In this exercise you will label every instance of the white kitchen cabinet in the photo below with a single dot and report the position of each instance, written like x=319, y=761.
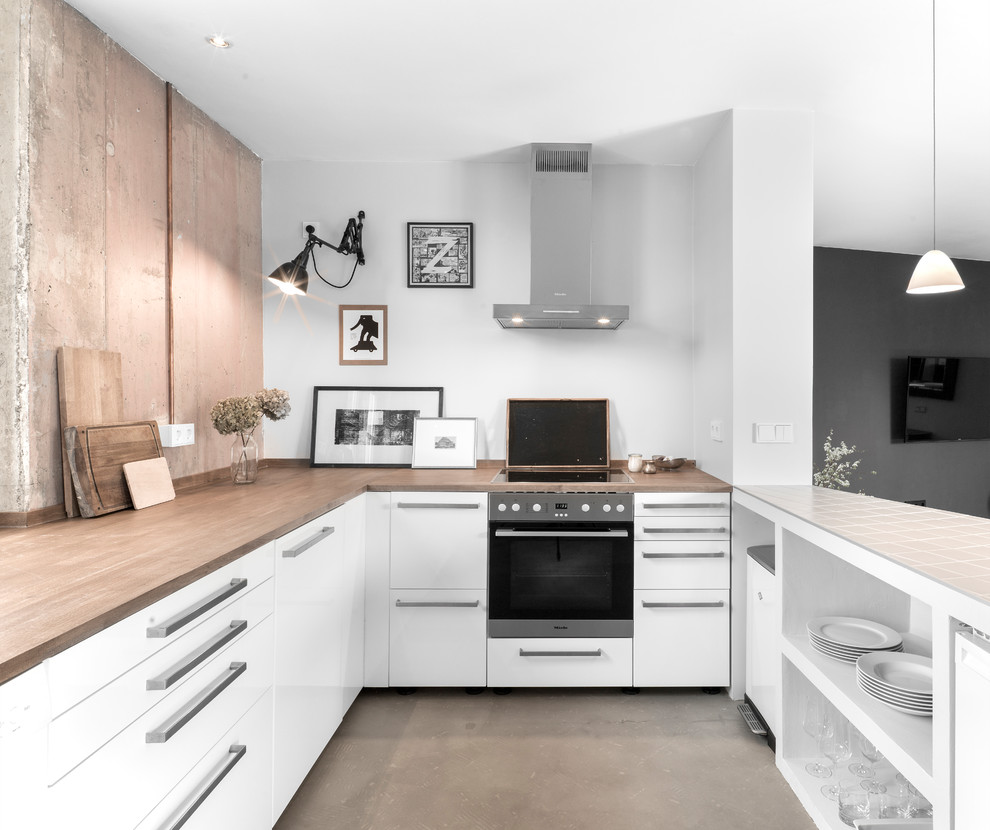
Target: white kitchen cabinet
x=762, y=648
x=681, y=599
x=972, y=729
x=309, y=648
x=230, y=787
x=121, y=782
x=24, y=714
x=438, y=638
x=352, y=601
x=560, y=661
x=439, y=540
x=438, y=557
x=682, y=638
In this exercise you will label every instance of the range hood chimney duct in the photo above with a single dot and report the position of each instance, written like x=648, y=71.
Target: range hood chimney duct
x=560, y=238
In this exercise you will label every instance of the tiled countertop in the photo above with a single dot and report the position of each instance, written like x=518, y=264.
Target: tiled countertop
x=951, y=548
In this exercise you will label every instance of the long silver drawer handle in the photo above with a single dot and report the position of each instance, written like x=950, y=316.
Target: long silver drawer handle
x=195, y=706
x=685, y=506
x=684, y=530
x=596, y=653
x=429, y=505
x=578, y=534
x=234, y=754
x=719, y=604
x=292, y=553
x=403, y=604
x=718, y=554
x=194, y=658
x=172, y=625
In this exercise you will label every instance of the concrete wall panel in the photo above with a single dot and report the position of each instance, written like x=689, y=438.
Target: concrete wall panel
x=136, y=216
x=67, y=297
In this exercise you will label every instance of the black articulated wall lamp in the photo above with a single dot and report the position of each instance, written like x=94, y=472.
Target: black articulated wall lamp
x=292, y=277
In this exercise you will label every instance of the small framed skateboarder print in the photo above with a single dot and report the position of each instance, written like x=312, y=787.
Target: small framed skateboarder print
x=363, y=335
x=441, y=254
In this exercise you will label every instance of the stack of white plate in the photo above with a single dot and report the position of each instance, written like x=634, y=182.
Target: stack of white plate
x=848, y=638
x=902, y=681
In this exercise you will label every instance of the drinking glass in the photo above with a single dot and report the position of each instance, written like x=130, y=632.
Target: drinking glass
x=837, y=747
x=854, y=802
x=873, y=755
x=817, y=723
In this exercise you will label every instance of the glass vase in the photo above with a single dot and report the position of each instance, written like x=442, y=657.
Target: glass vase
x=244, y=459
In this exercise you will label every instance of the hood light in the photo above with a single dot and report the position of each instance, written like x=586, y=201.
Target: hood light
x=517, y=319
x=219, y=41
x=604, y=321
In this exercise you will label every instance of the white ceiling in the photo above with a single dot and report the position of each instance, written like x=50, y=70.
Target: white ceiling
x=645, y=81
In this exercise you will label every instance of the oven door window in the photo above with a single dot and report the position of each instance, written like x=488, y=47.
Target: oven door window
x=560, y=577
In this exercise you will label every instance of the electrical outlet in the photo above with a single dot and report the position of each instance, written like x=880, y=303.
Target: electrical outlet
x=177, y=435
x=716, y=430
x=316, y=229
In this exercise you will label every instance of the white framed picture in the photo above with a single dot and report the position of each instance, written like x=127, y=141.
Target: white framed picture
x=440, y=443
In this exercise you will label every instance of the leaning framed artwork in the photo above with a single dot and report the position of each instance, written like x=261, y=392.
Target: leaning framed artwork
x=441, y=254
x=363, y=335
x=445, y=443
x=369, y=426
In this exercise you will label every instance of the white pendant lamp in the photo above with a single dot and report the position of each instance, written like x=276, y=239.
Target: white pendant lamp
x=934, y=273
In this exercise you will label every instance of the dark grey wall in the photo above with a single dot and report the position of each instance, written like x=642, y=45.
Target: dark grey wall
x=866, y=325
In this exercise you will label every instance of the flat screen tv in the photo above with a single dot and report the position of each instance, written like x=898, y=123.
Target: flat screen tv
x=948, y=399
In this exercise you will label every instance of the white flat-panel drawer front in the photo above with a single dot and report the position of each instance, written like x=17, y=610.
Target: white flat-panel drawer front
x=83, y=729
x=682, y=504
x=681, y=638
x=682, y=527
x=119, y=784
x=230, y=787
x=439, y=540
x=682, y=564
x=80, y=670
x=560, y=661
x=438, y=638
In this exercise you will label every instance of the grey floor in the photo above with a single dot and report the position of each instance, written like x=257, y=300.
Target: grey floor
x=550, y=759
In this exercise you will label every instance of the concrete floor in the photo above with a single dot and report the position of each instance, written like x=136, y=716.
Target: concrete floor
x=544, y=759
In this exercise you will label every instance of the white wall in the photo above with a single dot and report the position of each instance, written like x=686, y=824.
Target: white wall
x=713, y=362
x=772, y=290
x=642, y=257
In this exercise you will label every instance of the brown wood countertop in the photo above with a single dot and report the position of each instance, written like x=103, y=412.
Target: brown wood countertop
x=65, y=581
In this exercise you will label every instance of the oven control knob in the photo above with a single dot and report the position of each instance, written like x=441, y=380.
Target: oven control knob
x=502, y=507
x=515, y=508
x=537, y=508
x=620, y=508
x=585, y=508
x=606, y=508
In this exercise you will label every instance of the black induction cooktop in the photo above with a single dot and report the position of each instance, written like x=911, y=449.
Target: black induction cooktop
x=561, y=477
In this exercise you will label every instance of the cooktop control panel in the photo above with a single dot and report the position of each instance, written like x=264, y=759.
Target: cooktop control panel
x=550, y=507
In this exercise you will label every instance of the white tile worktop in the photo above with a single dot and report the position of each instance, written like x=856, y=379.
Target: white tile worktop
x=950, y=548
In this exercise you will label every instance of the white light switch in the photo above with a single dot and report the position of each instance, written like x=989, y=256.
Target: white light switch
x=773, y=433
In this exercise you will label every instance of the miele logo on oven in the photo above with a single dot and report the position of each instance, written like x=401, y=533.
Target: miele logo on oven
x=560, y=627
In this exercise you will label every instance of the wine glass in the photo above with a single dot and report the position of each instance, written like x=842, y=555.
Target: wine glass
x=859, y=768
x=873, y=755
x=837, y=747
x=817, y=723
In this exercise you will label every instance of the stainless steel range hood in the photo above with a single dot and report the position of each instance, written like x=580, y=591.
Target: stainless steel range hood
x=560, y=231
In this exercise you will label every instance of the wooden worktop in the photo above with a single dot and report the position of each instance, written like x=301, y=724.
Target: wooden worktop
x=65, y=581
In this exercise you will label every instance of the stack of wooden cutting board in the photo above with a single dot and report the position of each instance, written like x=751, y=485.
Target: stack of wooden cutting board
x=108, y=464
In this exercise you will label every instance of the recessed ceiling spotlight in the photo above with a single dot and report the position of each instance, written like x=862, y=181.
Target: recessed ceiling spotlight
x=219, y=41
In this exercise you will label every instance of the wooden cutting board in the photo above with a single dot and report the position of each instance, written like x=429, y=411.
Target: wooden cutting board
x=149, y=482
x=90, y=391
x=97, y=455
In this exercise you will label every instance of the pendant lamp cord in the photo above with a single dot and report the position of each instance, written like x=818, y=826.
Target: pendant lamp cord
x=934, y=154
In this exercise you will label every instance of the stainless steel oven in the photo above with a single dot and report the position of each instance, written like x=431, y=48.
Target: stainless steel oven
x=560, y=565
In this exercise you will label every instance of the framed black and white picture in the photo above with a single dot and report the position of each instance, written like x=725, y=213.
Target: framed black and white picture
x=367, y=426
x=445, y=443
x=441, y=254
x=363, y=335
